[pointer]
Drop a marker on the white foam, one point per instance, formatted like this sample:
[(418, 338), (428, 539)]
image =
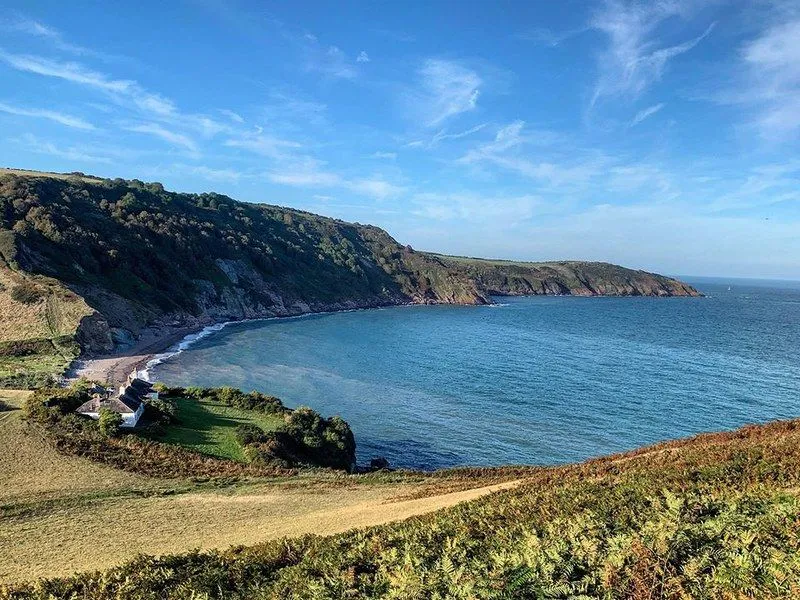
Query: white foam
[(193, 338)]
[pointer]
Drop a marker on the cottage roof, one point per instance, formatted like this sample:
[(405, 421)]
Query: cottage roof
[(140, 385), (122, 404)]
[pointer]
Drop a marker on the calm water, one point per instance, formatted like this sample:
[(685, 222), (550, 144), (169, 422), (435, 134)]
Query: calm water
[(534, 380)]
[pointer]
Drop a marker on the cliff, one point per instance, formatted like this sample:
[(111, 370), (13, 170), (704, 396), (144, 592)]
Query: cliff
[(105, 258)]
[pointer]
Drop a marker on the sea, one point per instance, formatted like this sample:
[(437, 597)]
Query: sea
[(534, 380)]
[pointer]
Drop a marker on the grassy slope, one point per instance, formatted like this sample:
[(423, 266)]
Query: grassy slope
[(210, 427), (60, 514), (45, 325), (717, 516)]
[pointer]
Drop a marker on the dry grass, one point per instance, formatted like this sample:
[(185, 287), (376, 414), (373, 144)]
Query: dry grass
[(58, 312), (109, 531), (29, 173), (60, 514), (32, 471)]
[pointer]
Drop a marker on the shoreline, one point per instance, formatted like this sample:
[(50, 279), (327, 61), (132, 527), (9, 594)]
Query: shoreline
[(157, 344)]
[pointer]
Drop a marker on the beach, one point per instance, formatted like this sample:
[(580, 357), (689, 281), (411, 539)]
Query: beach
[(114, 368)]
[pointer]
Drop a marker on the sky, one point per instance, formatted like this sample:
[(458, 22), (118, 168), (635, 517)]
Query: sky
[(662, 135)]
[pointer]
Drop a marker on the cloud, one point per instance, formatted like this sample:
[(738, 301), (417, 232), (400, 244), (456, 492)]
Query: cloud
[(446, 89), (61, 118), (211, 174), (55, 37), (308, 172), (547, 37), (374, 188), (386, 155), (263, 144), (289, 111), (635, 58), (330, 61), (362, 57), (507, 152), (475, 208), (305, 178), (646, 113), (123, 91), (233, 116), (772, 66), (171, 137), (71, 153), (69, 71)]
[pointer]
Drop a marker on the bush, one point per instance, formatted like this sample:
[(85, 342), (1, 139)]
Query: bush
[(26, 293), (249, 434), (109, 422), (162, 411), (325, 442)]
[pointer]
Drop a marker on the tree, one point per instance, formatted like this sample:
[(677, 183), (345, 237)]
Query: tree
[(109, 422)]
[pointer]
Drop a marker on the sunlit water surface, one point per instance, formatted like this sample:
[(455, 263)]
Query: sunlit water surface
[(532, 380)]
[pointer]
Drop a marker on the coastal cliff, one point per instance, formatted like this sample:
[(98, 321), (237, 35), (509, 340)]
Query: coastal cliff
[(100, 260)]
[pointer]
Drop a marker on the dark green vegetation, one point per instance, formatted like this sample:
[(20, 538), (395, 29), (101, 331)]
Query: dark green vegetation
[(577, 278), (258, 429), (98, 260), (715, 516), (197, 433)]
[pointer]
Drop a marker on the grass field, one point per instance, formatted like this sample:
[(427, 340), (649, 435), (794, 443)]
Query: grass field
[(61, 514), (713, 517), (210, 427)]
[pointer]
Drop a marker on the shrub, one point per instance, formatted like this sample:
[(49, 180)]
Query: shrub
[(248, 433), (162, 411), (109, 422), (26, 293), (326, 442)]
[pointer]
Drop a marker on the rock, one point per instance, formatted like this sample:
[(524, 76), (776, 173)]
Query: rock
[(379, 463)]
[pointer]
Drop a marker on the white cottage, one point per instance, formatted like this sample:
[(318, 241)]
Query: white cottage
[(128, 402)]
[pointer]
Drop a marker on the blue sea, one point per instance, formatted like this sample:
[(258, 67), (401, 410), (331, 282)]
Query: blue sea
[(541, 380)]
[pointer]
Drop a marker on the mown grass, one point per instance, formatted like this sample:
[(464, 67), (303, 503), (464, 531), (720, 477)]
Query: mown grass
[(209, 427), (717, 516)]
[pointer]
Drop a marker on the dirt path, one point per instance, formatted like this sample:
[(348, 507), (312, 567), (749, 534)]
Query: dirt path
[(103, 533)]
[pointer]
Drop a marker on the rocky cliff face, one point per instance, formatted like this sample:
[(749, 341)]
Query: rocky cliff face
[(576, 278), (141, 256)]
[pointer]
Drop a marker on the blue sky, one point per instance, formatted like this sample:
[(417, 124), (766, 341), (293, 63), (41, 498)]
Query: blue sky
[(659, 135)]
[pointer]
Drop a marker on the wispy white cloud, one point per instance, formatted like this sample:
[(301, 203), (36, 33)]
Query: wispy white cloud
[(446, 89), (548, 37), (385, 155), (308, 172), (646, 113), (375, 188), (70, 153), (263, 144), (290, 110), (171, 137), (330, 61), (635, 57), (507, 151), (54, 36), (233, 116), (475, 207), (771, 63), (362, 57), (57, 117), (126, 92)]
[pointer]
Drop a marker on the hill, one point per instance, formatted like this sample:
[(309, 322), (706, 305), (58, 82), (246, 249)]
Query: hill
[(713, 516), (93, 262), (61, 513)]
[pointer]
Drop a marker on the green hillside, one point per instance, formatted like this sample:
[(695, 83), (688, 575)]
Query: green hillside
[(97, 260), (713, 517)]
